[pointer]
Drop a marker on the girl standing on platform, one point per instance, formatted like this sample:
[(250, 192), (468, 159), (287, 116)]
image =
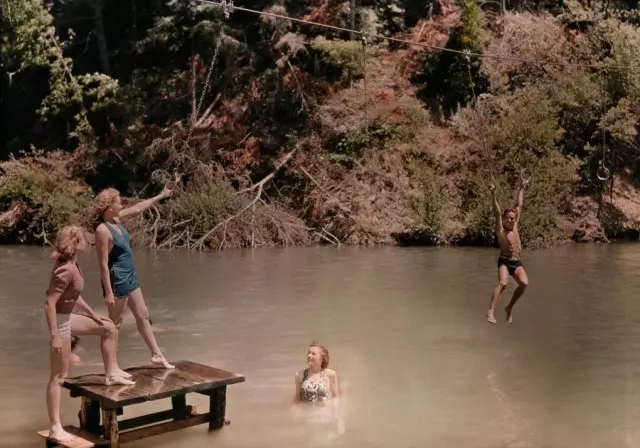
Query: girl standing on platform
[(64, 293), (120, 282)]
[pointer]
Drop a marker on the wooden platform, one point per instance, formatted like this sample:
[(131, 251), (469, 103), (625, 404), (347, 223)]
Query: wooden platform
[(82, 439), (152, 383)]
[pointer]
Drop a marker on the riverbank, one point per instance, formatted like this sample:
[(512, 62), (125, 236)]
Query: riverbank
[(287, 135), (389, 210)]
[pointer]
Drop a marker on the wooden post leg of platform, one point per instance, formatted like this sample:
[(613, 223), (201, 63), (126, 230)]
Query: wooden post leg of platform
[(110, 423), (217, 406), (90, 416), (178, 404)]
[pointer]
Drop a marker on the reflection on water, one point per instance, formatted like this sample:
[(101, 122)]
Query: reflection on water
[(407, 335)]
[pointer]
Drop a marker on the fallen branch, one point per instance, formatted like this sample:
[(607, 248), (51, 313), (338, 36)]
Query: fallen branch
[(200, 242), (253, 225), (300, 91), (207, 111), (330, 237), (259, 186), (43, 235), (155, 227), (267, 178), (172, 240), (224, 238)]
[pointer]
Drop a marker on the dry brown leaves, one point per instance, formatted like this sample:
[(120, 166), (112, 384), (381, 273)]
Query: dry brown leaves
[(434, 32), (327, 12), (523, 38)]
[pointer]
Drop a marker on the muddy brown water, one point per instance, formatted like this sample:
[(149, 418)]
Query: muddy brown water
[(419, 364)]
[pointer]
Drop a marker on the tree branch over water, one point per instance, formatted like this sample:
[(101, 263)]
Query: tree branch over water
[(259, 186)]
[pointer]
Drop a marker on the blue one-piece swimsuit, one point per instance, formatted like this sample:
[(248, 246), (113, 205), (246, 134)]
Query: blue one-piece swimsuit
[(122, 272)]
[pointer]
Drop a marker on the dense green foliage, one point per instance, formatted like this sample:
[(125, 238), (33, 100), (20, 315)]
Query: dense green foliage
[(354, 143)]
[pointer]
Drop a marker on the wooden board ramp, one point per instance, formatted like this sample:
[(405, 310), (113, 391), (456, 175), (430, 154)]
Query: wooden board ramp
[(82, 439), (101, 405)]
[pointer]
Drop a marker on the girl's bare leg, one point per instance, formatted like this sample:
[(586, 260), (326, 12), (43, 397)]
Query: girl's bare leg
[(141, 313), (83, 325), (59, 369), (116, 314), (503, 278), (523, 281)]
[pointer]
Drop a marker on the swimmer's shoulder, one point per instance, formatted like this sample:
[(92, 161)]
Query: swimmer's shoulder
[(330, 373), (65, 269), (102, 231)]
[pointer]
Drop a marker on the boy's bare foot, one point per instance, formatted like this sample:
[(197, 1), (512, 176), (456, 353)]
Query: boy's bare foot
[(508, 311), (490, 318)]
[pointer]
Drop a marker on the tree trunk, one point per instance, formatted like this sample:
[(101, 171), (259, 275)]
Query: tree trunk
[(134, 12), (98, 25), (352, 14)]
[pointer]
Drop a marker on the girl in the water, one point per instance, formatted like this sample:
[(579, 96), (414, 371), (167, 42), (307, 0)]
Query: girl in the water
[(64, 293), (120, 282), (316, 383)]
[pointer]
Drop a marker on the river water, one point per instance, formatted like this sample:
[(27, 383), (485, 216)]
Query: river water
[(419, 364)]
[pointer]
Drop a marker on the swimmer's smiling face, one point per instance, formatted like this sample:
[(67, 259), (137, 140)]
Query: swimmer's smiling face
[(509, 220), (314, 357)]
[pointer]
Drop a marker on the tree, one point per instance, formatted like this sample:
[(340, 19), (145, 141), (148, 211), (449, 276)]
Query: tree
[(451, 79), (32, 51)]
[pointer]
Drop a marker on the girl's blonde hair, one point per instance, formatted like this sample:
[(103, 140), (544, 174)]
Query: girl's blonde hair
[(324, 354), (101, 203), (67, 242)]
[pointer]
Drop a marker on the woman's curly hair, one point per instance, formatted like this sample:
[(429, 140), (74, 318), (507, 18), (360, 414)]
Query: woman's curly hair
[(101, 203), (67, 242), (324, 354)]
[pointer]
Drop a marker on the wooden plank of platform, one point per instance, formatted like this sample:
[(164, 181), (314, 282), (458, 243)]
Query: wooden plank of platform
[(152, 383), (162, 428), (148, 419), (82, 439)]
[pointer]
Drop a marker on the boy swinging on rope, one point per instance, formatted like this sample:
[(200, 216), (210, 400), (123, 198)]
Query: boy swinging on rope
[(510, 248)]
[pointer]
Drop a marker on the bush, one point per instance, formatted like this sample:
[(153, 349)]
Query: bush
[(339, 59), (429, 207), (50, 197), (204, 205), (450, 80), (506, 135)]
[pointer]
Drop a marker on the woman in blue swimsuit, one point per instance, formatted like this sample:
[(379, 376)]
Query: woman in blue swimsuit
[(120, 283)]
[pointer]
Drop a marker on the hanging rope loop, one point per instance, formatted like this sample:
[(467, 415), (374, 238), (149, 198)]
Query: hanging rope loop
[(365, 43), (603, 172)]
